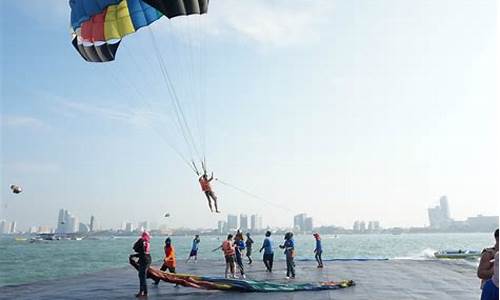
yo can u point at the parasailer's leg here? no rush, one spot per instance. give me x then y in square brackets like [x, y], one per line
[207, 194]
[215, 201]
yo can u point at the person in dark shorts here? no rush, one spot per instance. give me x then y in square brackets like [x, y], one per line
[169, 261]
[248, 244]
[194, 248]
[228, 248]
[268, 256]
[207, 189]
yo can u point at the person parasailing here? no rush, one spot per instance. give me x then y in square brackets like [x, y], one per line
[207, 189]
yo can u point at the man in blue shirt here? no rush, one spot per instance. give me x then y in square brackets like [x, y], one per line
[268, 257]
[194, 248]
[289, 247]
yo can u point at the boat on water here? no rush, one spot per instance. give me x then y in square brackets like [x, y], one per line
[457, 254]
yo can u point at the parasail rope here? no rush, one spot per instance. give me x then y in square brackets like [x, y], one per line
[181, 118]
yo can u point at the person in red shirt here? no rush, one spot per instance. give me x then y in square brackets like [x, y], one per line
[207, 189]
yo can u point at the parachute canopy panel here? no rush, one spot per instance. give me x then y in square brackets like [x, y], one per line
[99, 25]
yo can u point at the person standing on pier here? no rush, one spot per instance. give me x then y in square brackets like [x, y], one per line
[194, 249]
[169, 261]
[289, 247]
[318, 250]
[239, 246]
[229, 252]
[141, 247]
[268, 256]
[248, 244]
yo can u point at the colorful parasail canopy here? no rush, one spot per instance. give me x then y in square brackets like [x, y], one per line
[99, 25]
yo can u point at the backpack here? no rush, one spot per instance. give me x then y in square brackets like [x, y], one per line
[138, 246]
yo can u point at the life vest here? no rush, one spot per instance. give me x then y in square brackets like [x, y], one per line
[228, 248]
[205, 185]
[169, 259]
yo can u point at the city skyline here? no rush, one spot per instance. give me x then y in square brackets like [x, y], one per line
[439, 217]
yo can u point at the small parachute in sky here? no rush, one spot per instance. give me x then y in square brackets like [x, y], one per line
[167, 215]
[16, 189]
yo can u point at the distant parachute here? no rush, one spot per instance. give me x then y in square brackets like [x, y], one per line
[16, 189]
[167, 215]
[99, 25]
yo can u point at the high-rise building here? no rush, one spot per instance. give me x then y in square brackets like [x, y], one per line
[221, 227]
[129, 227]
[299, 222]
[243, 222]
[308, 224]
[370, 226]
[60, 222]
[439, 216]
[256, 222]
[4, 227]
[362, 226]
[232, 222]
[445, 208]
[355, 226]
[376, 225]
[92, 224]
[12, 228]
[66, 222]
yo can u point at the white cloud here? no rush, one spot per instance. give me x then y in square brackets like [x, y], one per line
[23, 121]
[264, 23]
[271, 22]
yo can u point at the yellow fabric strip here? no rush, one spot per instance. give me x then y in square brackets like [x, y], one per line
[118, 22]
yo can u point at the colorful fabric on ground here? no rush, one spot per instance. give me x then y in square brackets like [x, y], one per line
[224, 284]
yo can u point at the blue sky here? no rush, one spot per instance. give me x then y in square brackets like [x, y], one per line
[345, 110]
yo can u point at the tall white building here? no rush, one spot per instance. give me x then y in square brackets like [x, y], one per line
[66, 222]
[243, 222]
[308, 224]
[92, 224]
[129, 227]
[299, 222]
[232, 222]
[12, 228]
[439, 216]
[256, 222]
[4, 227]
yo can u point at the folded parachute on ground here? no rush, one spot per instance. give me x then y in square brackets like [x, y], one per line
[99, 25]
[235, 285]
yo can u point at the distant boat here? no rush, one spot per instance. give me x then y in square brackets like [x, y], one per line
[20, 239]
[457, 254]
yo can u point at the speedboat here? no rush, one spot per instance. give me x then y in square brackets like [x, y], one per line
[457, 254]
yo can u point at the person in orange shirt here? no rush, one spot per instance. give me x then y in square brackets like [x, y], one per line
[207, 189]
[228, 248]
[169, 262]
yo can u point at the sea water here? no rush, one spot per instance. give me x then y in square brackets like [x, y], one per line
[24, 262]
